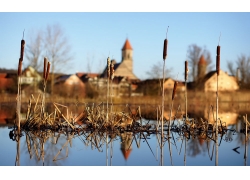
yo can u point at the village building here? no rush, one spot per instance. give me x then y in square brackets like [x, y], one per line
[70, 86]
[125, 82]
[208, 81]
[6, 83]
[125, 67]
[152, 87]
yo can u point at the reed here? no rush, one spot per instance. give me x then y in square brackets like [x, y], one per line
[186, 77]
[46, 70]
[108, 78]
[19, 80]
[165, 46]
[246, 138]
[217, 100]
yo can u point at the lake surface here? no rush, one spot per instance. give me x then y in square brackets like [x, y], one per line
[126, 149]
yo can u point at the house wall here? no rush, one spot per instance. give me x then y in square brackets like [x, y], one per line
[72, 87]
[225, 83]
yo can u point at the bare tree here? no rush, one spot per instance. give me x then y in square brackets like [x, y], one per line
[243, 67]
[57, 48]
[156, 71]
[34, 51]
[194, 54]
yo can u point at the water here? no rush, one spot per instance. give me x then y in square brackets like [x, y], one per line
[126, 149]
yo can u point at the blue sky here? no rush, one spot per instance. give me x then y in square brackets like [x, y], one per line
[96, 35]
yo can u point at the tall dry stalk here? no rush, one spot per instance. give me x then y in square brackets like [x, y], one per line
[186, 77]
[112, 75]
[165, 46]
[217, 102]
[108, 77]
[246, 138]
[46, 70]
[19, 80]
[169, 122]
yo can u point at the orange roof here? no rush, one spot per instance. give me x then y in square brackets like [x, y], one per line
[202, 60]
[127, 45]
[3, 75]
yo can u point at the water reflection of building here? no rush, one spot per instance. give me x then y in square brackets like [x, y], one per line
[126, 144]
[6, 116]
[230, 118]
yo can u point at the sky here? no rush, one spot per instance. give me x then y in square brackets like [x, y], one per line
[96, 34]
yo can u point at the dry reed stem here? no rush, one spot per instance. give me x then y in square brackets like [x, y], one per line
[60, 113]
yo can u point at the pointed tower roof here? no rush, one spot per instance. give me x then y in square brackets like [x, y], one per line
[202, 60]
[127, 45]
[126, 153]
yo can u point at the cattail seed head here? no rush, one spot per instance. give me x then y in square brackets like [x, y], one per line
[47, 72]
[112, 71]
[19, 67]
[44, 67]
[174, 90]
[22, 49]
[165, 48]
[218, 65]
[186, 70]
[218, 50]
[108, 68]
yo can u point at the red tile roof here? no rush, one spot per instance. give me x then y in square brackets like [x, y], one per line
[127, 45]
[202, 60]
[126, 153]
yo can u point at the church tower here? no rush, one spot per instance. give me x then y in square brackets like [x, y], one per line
[202, 68]
[127, 55]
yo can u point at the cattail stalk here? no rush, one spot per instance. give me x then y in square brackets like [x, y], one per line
[108, 77]
[165, 47]
[246, 139]
[217, 102]
[186, 77]
[19, 73]
[169, 122]
[46, 70]
[112, 75]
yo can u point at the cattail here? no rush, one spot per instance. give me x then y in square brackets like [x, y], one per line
[44, 67]
[165, 48]
[186, 70]
[218, 50]
[174, 90]
[112, 71]
[19, 67]
[218, 60]
[47, 72]
[108, 68]
[22, 49]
